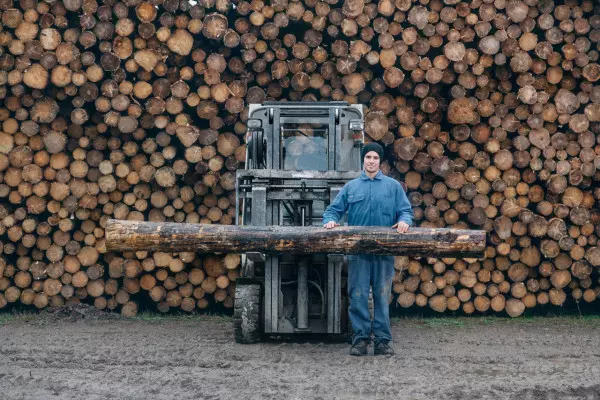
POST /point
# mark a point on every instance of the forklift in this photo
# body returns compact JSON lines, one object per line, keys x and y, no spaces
{"x":299,"y":156}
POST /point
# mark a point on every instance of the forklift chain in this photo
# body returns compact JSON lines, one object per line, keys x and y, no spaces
{"x":257,"y":147}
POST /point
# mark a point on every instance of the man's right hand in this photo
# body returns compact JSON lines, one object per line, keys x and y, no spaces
{"x":331,"y":225}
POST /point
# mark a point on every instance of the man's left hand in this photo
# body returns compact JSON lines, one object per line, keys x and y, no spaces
{"x":401,"y":227}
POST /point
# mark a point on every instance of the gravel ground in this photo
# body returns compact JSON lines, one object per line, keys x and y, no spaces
{"x":82,"y":354}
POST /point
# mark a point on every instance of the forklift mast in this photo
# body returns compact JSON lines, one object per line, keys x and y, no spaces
{"x":299,"y":156}
{"x":305,"y":136}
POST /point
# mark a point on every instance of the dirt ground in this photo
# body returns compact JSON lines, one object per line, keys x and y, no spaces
{"x":86,"y":355}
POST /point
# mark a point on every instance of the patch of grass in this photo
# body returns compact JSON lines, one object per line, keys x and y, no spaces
{"x":473,"y":321}
{"x":523,"y":319}
{"x":159,"y":317}
{"x":430,"y":321}
{"x":591,"y":317}
{"x":592,"y":320}
{"x":222,"y":319}
{"x":444,"y":322}
{"x":553,"y":319}
{"x":4,"y":318}
{"x":7,"y":317}
{"x":487,"y":320}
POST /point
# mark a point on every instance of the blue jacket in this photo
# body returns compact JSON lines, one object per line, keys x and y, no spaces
{"x":380,"y":201}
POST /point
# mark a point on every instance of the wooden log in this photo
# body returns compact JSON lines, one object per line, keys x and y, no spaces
{"x":135,"y":236}
{"x":520,"y":159}
{"x":129,"y":309}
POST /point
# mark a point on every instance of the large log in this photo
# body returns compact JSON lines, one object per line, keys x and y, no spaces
{"x":174,"y":237}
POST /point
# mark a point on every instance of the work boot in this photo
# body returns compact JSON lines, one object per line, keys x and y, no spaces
{"x":359,"y":348}
{"x":384,"y":348}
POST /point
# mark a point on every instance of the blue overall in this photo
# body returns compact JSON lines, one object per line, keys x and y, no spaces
{"x":380,"y":201}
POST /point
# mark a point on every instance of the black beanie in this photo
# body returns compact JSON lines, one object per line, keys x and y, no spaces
{"x":372,"y":147}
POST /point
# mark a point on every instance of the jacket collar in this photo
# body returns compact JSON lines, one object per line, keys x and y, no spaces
{"x":364,"y":176}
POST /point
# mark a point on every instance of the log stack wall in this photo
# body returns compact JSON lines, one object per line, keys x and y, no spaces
{"x":489,"y":111}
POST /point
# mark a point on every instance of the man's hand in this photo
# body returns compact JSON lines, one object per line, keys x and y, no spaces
{"x":401,"y":227}
{"x":331,"y":225}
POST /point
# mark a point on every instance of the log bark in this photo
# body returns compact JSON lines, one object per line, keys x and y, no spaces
{"x":173,"y":237}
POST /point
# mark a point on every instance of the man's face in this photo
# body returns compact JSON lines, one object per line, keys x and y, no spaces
{"x":371,"y":161}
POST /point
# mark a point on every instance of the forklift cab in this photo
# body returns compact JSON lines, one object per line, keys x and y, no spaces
{"x":299,"y":156}
{"x":305,"y":136}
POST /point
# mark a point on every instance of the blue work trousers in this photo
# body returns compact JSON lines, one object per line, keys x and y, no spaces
{"x":365,"y":271}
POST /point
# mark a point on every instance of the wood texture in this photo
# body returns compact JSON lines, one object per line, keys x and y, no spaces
{"x":136,"y":236}
{"x":489,"y":112}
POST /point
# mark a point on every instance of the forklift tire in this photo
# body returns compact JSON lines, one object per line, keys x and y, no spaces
{"x":246,"y":313}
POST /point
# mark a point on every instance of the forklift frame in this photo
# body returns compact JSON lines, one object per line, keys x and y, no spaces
{"x":270,"y":191}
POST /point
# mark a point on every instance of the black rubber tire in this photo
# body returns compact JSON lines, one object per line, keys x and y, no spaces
{"x":246,"y":314}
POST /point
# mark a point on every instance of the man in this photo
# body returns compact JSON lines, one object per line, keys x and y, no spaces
{"x":372,"y":199}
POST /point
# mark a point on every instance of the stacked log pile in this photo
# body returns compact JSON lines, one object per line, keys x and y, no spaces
{"x":489,"y":111}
